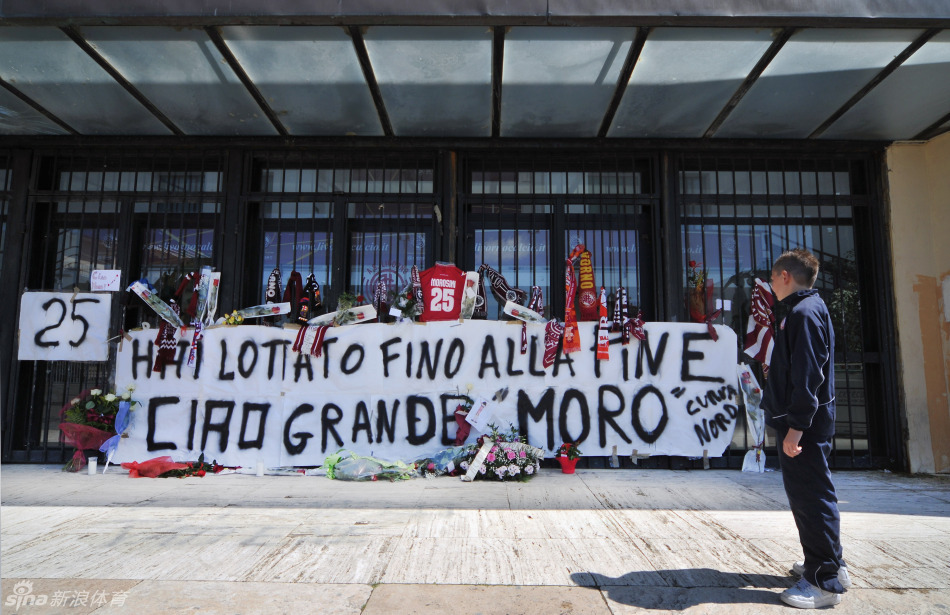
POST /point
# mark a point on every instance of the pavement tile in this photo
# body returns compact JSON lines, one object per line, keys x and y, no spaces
{"x":729,"y":601}
{"x":520,"y":523}
{"x":484,"y":600}
{"x":554,"y":490}
{"x":324,"y":559}
{"x":702,"y":562}
{"x":756,"y":524}
{"x":913,"y":553}
{"x":872,"y":526}
{"x":502,"y":561}
{"x":223,"y":598}
{"x":717,"y":600}
{"x":917,"y":577}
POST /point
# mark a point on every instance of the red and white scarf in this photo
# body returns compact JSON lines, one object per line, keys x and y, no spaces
{"x":536,"y":304}
{"x":603,"y":330}
{"x":758,"y":341}
{"x":552,"y":335}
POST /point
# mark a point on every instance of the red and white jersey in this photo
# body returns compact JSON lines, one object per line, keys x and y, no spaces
{"x":442,"y":287}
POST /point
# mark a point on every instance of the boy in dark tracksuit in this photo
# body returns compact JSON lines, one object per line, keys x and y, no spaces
{"x":800,"y":406}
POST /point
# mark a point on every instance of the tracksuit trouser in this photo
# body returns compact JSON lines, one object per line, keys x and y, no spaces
{"x":814,"y":504}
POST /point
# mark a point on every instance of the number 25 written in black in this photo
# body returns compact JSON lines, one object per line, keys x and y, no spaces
{"x":38,"y":338}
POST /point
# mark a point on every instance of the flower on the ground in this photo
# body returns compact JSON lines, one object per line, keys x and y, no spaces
{"x":509,"y":458}
{"x":569,"y":450}
{"x":194,"y":468}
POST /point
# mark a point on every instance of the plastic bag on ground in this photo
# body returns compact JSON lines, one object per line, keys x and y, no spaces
{"x":344,"y":465}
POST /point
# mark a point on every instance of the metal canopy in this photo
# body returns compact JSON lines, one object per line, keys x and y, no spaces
{"x":524,"y":81}
{"x":435,"y":81}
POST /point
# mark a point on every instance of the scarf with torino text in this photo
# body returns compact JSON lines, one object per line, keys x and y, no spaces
{"x":572,"y":338}
{"x":589,"y":309}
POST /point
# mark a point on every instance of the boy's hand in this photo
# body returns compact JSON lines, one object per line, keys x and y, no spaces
{"x":790,"y":444}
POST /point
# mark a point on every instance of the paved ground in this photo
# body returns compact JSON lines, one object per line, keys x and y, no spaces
{"x":599,"y":541}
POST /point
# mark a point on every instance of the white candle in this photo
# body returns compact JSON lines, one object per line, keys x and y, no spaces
{"x":93,"y":462}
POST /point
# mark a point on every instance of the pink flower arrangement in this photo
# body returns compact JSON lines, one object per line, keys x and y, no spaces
{"x":509,"y":459}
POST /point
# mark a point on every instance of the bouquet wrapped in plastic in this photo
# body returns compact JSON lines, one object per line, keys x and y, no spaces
{"x":449,"y":461}
{"x":754,"y":460}
{"x":344,"y":465}
{"x":91,"y":419}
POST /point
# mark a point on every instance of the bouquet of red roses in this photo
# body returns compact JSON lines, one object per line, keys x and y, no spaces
{"x":89,"y":419}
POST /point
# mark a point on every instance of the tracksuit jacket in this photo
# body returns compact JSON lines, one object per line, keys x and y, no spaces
{"x":800,"y":389}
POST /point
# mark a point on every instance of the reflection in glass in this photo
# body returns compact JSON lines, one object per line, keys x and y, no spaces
{"x":384,"y":255}
{"x":371,"y":181}
{"x":522,"y":256}
{"x":614,"y":255}
{"x":300,"y":251}
{"x":176,"y":250}
{"x":297,"y":238}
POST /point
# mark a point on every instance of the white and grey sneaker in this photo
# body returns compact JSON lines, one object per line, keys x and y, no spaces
{"x":798,"y":569}
{"x":804,"y":595}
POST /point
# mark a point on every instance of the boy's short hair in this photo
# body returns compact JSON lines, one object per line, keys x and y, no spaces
{"x":800,"y":264}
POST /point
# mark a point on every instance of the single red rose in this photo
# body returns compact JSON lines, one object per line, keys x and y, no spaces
{"x":692,"y":263}
{"x":201,"y":472}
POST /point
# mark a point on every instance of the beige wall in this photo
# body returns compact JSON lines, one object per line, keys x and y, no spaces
{"x":919,"y":212}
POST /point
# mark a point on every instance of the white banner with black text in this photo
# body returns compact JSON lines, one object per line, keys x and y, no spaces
{"x":390,"y":391}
